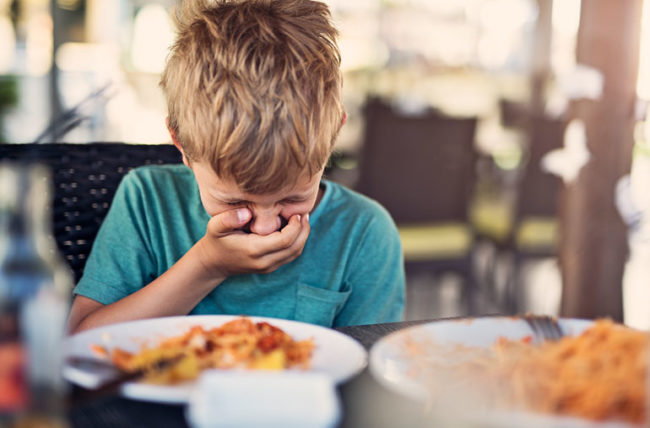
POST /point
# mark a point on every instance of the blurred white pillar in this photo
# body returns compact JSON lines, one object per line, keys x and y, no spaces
{"x":103,"y":21}
{"x":636,"y":286}
{"x":7,"y":45}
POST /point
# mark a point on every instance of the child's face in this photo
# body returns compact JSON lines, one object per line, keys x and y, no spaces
{"x":269,"y":211}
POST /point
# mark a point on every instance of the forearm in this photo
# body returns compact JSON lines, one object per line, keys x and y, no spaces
{"x":176,"y":292}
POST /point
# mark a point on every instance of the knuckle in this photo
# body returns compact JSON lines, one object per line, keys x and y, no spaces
{"x":212,"y":228}
{"x":250,"y":250}
{"x":296,"y":251}
{"x":260,"y":266}
{"x":282,"y":241}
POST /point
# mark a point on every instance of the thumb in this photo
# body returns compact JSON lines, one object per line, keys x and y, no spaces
{"x":230,"y":220}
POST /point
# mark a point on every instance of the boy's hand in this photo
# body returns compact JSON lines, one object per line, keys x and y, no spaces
{"x":225,"y":250}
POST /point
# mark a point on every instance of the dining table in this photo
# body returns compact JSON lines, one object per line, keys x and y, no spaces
{"x":364,"y":402}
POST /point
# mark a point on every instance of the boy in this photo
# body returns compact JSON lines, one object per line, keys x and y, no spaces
{"x":246,"y":225}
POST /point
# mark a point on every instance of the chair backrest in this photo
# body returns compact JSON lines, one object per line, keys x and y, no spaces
{"x":422,"y":168}
{"x":85,"y":177}
{"x":537,"y":193}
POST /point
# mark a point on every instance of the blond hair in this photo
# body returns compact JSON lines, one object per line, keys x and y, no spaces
{"x":254,"y":88}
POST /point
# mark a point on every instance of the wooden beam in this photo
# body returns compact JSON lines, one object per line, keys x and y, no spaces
{"x":593,"y":246}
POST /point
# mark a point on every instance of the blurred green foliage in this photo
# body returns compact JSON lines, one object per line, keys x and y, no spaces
{"x":8,"y":98}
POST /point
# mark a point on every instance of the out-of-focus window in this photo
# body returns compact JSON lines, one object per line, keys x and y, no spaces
{"x":460,"y":56}
{"x":98,"y":61}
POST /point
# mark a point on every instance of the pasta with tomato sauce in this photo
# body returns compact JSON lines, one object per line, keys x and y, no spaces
{"x":238,"y":344}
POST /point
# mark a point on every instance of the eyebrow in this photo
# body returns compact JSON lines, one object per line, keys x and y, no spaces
{"x":233,"y":201}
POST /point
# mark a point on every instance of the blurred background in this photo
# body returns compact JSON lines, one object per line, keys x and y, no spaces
{"x":506,"y":137}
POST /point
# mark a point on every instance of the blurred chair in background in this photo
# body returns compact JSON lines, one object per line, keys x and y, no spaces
{"x":533,"y":232}
{"x":422,"y":168}
{"x":85,"y":178}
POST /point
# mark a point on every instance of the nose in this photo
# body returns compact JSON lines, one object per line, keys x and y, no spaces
{"x":265,"y":223}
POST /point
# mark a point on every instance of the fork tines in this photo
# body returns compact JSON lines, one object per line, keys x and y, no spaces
{"x":544,"y":327}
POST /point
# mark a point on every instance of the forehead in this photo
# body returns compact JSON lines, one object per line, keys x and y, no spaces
{"x":224,"y":188}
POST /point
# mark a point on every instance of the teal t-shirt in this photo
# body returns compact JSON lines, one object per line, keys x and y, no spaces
{"x":350,"y":272}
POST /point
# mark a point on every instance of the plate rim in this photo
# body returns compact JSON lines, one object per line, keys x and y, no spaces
{"x":468,"y":320}
{"x":418,"y":394}
{"x":180,"y":394}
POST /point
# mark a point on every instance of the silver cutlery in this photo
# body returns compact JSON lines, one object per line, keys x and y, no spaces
{"x":544,"y":327}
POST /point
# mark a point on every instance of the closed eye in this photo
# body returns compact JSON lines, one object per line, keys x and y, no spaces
{"x":292,"y":201}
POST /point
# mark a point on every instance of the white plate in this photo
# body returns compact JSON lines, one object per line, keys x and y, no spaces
{"x":336,"y":354}
{"x":391,"y":366}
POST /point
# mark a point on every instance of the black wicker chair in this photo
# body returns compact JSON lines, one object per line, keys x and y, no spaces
{"x":422,"y":168}
{"x":535,"y":233}
{"x":85,"y":177}
{"x":532,"y":233}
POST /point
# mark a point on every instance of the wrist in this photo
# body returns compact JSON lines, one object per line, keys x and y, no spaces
{"x":205,"y":260}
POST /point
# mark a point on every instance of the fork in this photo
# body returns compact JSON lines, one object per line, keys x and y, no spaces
{"x":111,"y":378}
{"x":545,"y":327}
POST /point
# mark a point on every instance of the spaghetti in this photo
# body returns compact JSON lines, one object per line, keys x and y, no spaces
{"x":599,"y":375}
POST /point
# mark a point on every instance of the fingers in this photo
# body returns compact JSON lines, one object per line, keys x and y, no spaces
{"x":251,"y":253}
{"x":293,"y":241}
{"x":229,"y":221}
{"x":277,"y":241}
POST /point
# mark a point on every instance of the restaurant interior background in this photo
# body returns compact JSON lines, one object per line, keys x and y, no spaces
{"x":490,"y":80}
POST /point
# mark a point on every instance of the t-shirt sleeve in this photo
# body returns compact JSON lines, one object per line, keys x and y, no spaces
{"x":121,"y":260}
{"x":376,"y":276}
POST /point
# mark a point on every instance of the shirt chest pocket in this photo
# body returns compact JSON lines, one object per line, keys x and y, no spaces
{"x":317,"y":305}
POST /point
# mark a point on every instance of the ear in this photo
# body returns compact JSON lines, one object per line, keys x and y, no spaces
{"x":345,"y":118}
{"x":172,"y":133}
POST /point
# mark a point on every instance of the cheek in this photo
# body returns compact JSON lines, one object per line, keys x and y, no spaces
{"x":212,"y":208}
{"x":291,"y":210}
